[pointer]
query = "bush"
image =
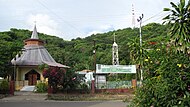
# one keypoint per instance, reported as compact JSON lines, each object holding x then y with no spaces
{"x":55,"y":76}
{"x":4,"y":87}
{"x":166,"y":81}
{"x":41,"y":87}
{"x":71,"y":81}
{"x":85,"y":88}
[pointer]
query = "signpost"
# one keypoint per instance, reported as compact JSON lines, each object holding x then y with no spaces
{"x":103,"y":69}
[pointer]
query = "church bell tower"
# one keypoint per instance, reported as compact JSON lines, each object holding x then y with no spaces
{"x":115,"y":57}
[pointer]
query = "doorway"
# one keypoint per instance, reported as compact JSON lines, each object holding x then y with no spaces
{"x":32,"y":77}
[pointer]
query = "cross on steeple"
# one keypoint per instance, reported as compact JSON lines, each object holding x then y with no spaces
{"x":114,"y":36}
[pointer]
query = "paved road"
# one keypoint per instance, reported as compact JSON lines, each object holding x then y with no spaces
{"x":29,"y":99}
{"x":62,"y":104}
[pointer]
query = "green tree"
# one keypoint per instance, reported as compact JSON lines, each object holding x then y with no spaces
{"x":166,"y":77}
{"x":179,"y":20}
{"x":166,"y":80}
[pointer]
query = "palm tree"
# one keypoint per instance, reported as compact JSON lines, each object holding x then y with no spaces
{"x":179,"y":21}
{"x":137,"y":53}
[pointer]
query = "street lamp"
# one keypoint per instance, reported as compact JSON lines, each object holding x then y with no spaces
{"x":140,"y":21}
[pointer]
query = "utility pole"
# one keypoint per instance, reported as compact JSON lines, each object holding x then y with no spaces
{"x":141,"y":71}
{"x":94,"y":52}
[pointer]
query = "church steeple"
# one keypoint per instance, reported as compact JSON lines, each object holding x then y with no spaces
{"x":34,"y":33}
{"x":34,"y":40}
{"x":115,"y":56}
{"x":35,"y":53}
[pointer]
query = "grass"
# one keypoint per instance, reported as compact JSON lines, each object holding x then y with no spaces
{"x":3,"y":95}
{"x":91,"y":97}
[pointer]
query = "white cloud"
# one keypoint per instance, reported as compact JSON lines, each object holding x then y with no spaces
{"x":70,"y":19}
{"x":101,"y":29}
{"x":44,"y":24}
{"x":106,"y":27}
{"x":93,"y":32}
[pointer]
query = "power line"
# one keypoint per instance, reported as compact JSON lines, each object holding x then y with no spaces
{"x":59,"y":17}
{"x":156,"y":15}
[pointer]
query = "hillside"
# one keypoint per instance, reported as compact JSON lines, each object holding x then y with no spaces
{"x":78,"y":53}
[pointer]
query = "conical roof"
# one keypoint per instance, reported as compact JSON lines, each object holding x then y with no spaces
{"x":35,"y":54}
{"x":114,"y":44}
{"x":34,"y":33}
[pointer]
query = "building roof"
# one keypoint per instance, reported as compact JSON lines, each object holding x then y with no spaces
{"x":114,"y":44}
{"x":35,"y":54}
{"x":34,"y":33}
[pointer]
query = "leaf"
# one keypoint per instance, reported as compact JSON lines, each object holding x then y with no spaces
{"x":166,"y":9}
{"x":182,"y":3}
{"x":173,"y":5}
{"x":187,"y":93}
{"x":167,"y":17}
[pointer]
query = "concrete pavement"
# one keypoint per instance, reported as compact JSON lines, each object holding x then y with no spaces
{"x":26,"y":96}
{"x":63,"y":104}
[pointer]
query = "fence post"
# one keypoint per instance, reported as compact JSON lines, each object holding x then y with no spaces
{"x":93,"y":87}
{"x":11,"y":87}
{"x":50,"y":89}
{"x":134,"y":83}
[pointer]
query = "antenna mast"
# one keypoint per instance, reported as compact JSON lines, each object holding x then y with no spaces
{"x":133,"y":17}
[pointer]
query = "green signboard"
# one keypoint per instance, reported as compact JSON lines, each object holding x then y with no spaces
{"x":115,"y":68}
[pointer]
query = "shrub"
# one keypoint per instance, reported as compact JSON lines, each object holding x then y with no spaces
{"x":4,"y":87}
{"x":55,"y":76}
{"x":41,"y":87}
{"x":166,"y":81}
{"x":85,"y":88}
{"x":71,"y":81}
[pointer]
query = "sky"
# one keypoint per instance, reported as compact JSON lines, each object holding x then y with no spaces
{"x":70,"y":19}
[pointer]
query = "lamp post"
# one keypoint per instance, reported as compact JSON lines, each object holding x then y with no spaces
{"x":94,"y":52}
{"x":93,"y":84}
{"x":141,"y":71}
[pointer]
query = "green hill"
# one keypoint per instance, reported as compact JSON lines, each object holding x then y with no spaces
{"x":78,"y":53}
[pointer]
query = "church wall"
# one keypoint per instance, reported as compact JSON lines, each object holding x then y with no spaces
{"x":20,"y":76}
{"x":23,"y":70}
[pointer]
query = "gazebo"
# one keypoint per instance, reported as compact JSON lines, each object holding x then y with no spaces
{"x":26,"y":65}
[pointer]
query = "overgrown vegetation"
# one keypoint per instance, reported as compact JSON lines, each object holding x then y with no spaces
{"x":4,"y":87}
{"x":166,"y":66}
{"x":166,"y":80}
